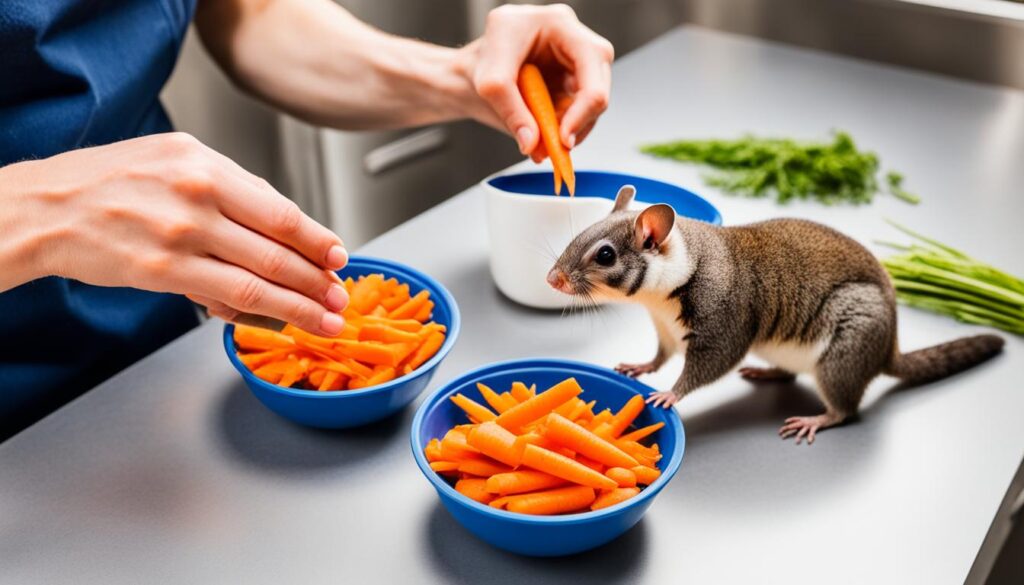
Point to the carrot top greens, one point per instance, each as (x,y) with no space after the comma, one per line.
(830,173)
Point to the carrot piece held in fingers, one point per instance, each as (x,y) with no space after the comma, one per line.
(565,468)
(538,99)
(555,501)
(613,497)
(575,437)
(541,404)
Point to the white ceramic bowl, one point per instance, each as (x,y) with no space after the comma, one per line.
(529,226)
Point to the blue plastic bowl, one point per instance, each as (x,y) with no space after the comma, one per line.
(606,185)
(545,535)
(352,408)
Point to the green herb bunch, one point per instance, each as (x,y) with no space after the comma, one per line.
(828,172)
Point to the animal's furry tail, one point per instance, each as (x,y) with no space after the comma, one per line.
(945,359)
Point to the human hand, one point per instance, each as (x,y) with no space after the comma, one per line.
(575,61)
(166,213)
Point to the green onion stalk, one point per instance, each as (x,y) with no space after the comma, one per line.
(933,276)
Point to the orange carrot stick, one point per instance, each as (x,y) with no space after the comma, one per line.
(483,467)
(613,497)
(380,376)
(455,447)
(538,99)
(474,409)
(328,381)
(258,339)
(623,477)
(408,309)
(370,352)
(443,466)
(373,332)
(565,468)
(496,442)
(410,325)
(642,433)
(433,450)
(575,437)
(626,415)
(423,315)
(556,501)
(474,489)
(254,361)
(520,392)
(521,481)
(424,352)
(495,400)
(646,475)
(534,408)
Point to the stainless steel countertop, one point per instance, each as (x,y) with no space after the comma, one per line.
(173,472)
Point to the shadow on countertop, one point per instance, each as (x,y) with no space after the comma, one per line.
(463,558)
(259,438)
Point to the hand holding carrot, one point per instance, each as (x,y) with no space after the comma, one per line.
(575,60)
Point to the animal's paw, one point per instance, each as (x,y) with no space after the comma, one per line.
(766,375)
(635,370)
(802,426)
(662,399)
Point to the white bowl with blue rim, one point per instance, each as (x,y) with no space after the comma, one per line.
(530,226)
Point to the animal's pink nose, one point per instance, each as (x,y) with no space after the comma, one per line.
(558,281)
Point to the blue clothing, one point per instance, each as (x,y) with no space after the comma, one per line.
(77,73)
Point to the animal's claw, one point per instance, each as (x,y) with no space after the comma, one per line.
(662,399)
(635,370)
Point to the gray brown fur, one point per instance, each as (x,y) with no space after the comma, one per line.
(784,280)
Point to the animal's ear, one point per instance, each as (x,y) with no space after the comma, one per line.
(653,226)
(624,198)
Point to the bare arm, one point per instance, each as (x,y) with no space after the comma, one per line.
(314,60)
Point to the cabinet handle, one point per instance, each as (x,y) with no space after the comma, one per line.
(404,149)
(1017,506)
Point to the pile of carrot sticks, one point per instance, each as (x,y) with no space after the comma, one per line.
(546,453)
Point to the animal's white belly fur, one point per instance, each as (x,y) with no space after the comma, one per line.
(799,358)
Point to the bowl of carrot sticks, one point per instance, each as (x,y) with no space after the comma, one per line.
(546,457)
(399,325)
(529,225)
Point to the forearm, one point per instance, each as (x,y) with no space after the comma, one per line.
(24,237)
(316,61)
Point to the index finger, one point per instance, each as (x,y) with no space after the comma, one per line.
(592,68)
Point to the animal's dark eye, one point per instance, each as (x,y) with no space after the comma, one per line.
(605,256)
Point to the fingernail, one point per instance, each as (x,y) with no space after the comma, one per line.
(524,135)
(337,257)
(337,298)
(331,323)
(571,141)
